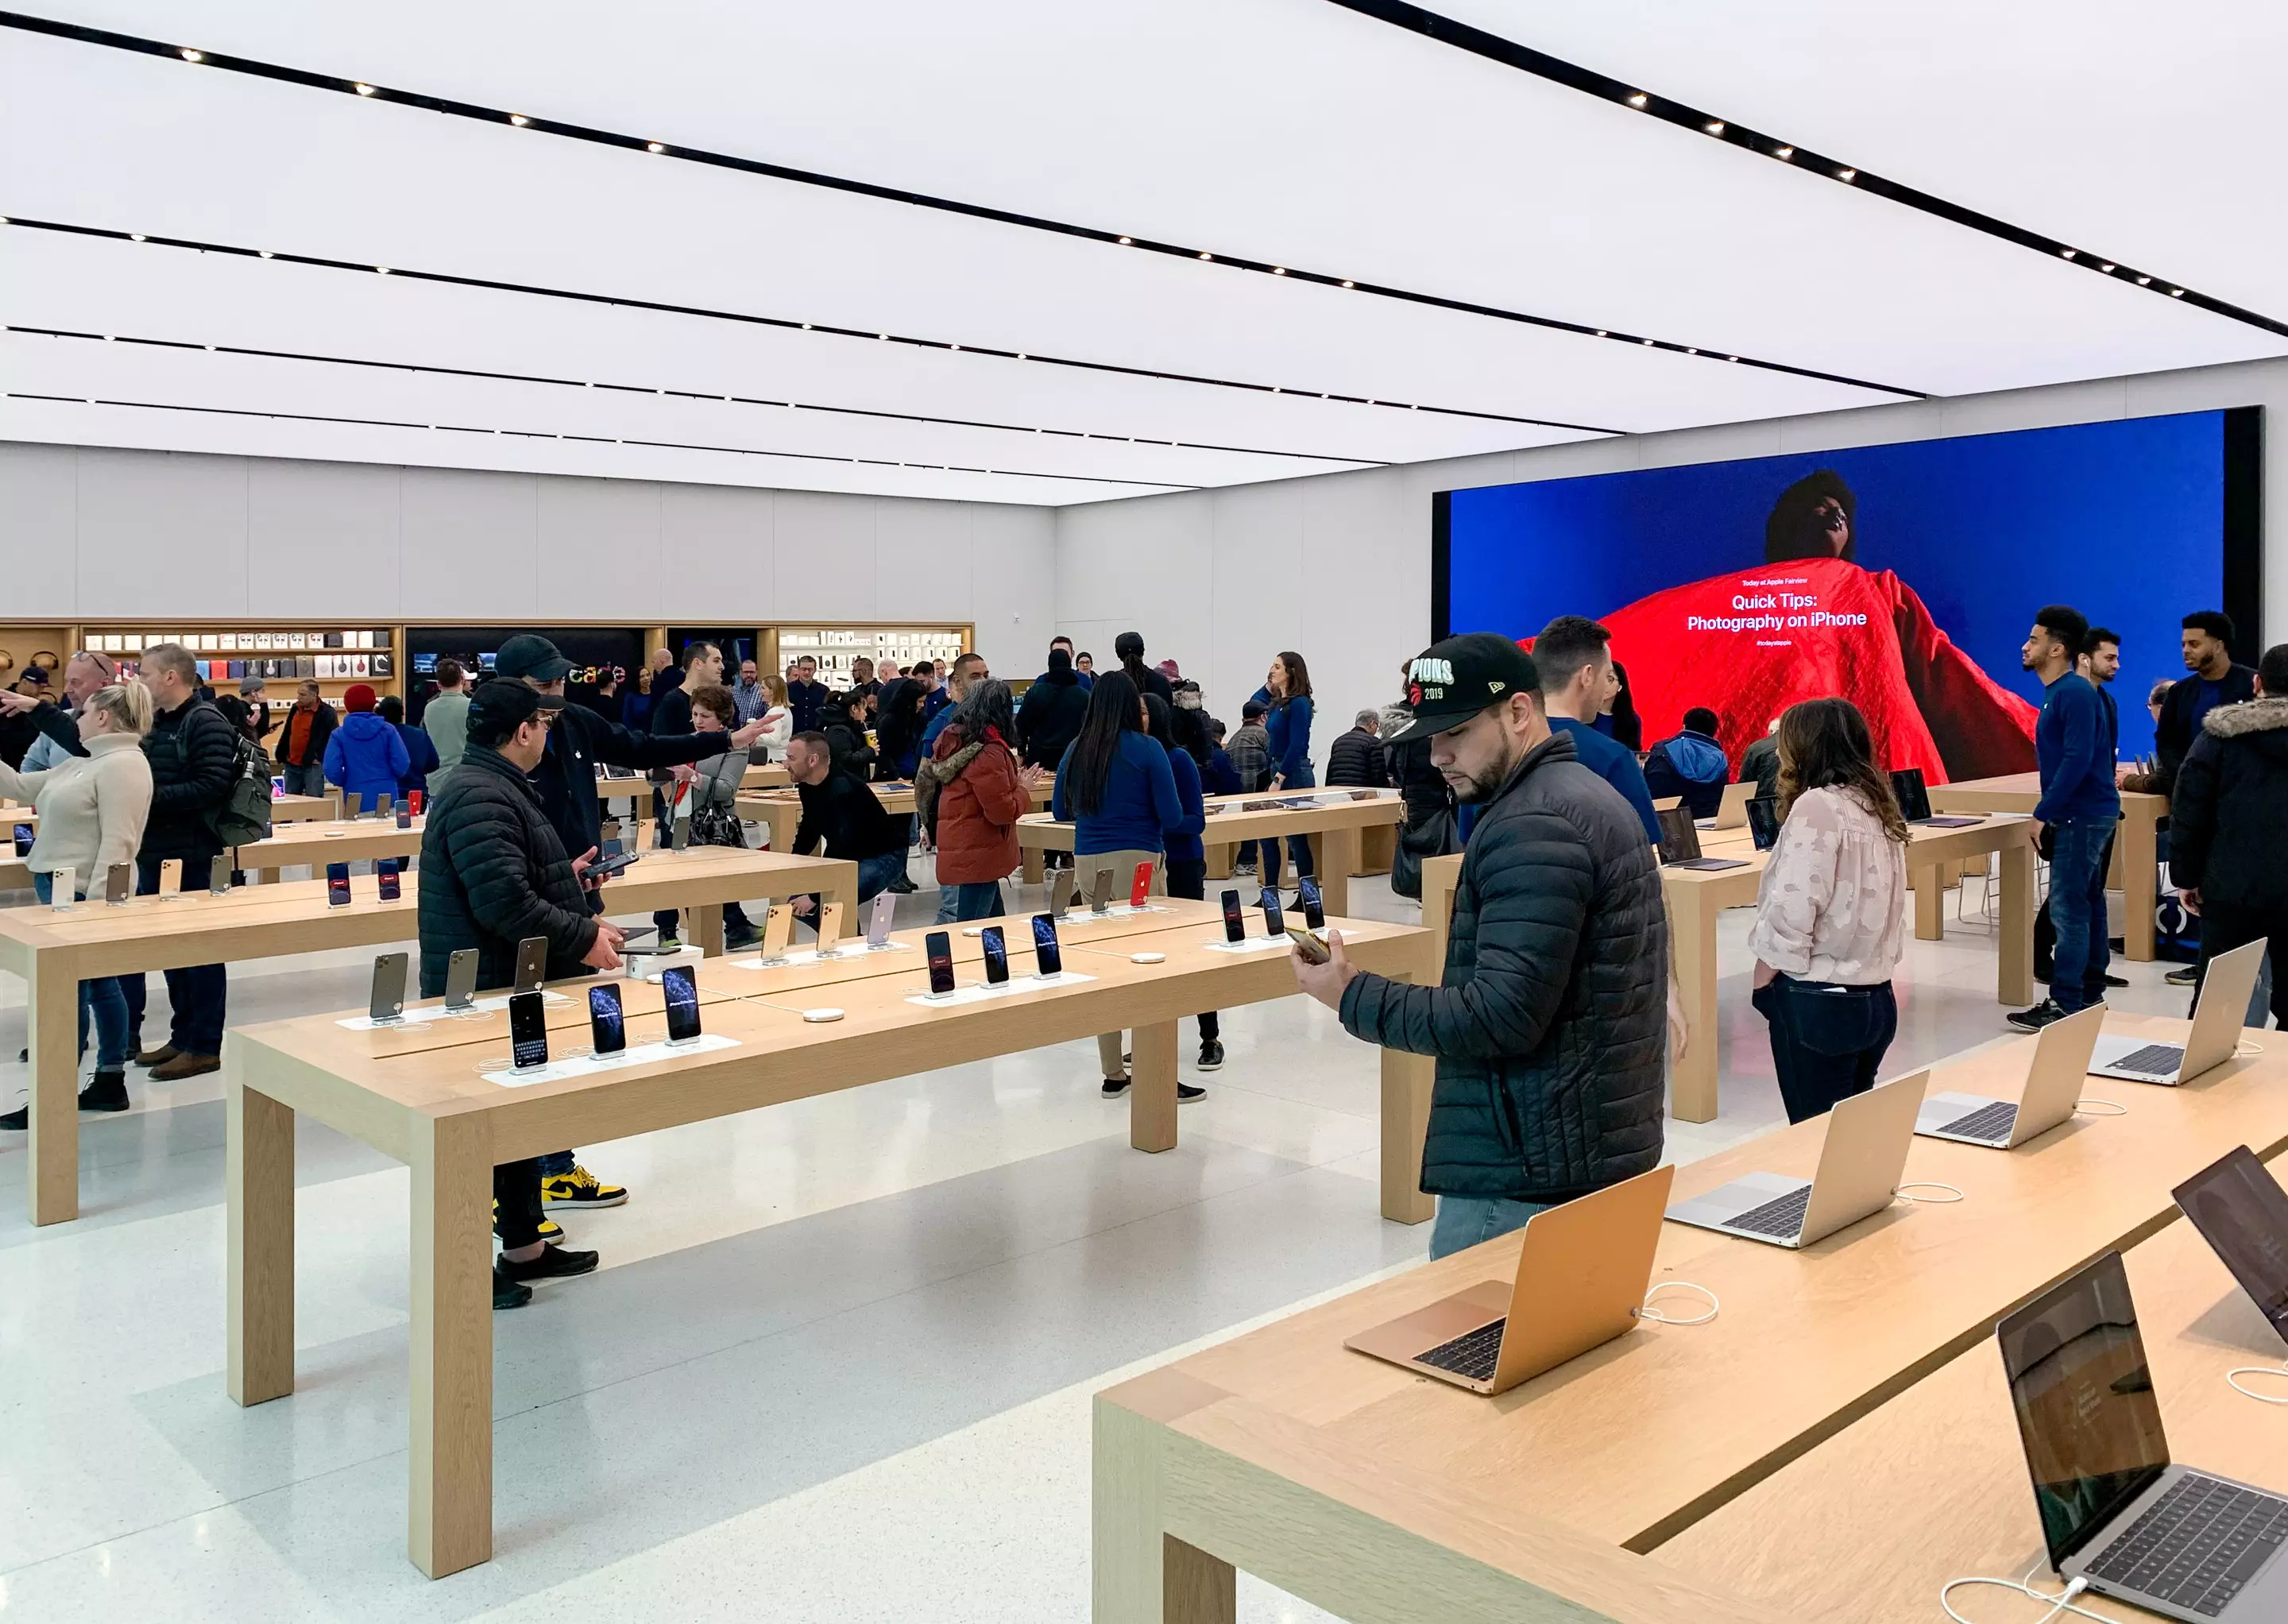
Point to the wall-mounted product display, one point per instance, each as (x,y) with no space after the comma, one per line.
(330,655)
(835,647)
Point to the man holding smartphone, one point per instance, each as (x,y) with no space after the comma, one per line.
(493,872)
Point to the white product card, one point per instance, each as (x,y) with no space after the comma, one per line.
(978,992)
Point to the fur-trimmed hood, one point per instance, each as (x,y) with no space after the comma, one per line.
(2262,714)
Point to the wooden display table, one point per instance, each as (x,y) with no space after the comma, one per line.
(2136,855)
(781,811)
(54,951)
(1337,823)
(1283,1446)
(1933,1486)
(1694,896)
(415,1092)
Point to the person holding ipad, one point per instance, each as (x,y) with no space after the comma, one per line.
(1285,698)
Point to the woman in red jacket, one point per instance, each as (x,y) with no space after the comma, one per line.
(981,793)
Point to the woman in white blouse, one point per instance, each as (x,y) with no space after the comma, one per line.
(1832,911)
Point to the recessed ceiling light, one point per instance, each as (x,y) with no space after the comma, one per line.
(1783,152)
(1648,343)
(1691,350)
(1021,356)
(2107,269)
(1731,358)
(884,337)
(2067,252)
(2144,282)
(1350,284)
(806,327)
(1207,256)
(1846,174)
(1715,126)
(190,55)
(2176,293)
(211,346)
(654,146)
(111,338)
(1602,333)
(953,346)
(1127,242)
(135,236)
(519,119)
(1278,270)
(1638,99)
(381,270)
(364,90)
(266,254)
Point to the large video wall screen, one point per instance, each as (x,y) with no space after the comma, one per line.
(1902,577)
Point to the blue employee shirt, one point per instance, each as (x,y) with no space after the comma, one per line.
(1616,765)
(2074,743)
(1184,843)
(1289,725)
(1139,805)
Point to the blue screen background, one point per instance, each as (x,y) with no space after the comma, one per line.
(2122,521)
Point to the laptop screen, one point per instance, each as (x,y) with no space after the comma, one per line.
(2242,1212)
(2086,1414)
(1764,822)
(1913,797)
(1680,837)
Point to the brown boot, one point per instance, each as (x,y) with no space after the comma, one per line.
(158,1056)
(186,1065)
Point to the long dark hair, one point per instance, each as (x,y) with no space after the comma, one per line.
(899,723)
(1628,727)
(1128,647)
(1163,728)
(1111,712)
(1298,678)
(1824,744)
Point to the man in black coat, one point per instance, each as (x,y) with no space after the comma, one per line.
(1550,1026)
(2215,681)
(492,873)
(2228,826)
(1354,760)
(1049,717)
(192,750)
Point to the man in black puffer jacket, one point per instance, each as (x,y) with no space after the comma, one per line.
(1551,1023)
(493,872)
(2228,826)
(1354,760)
(1049,717)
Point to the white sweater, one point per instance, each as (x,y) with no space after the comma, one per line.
(92,809)
(1832,906)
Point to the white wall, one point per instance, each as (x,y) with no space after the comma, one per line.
(1337,566)
(94,534)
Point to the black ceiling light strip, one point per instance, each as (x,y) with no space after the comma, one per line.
(526,434)
(784,322)
(920,200)
(683,394)
(1701,122)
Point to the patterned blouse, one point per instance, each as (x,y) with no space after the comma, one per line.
(1832,906)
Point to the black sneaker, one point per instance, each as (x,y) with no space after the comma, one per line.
(740,941)
(902,886)
(1113,1088)
(2117,981)
(1211,1056)
(509,1294)
(2186,976)
(105,1091)
(2040,1015)
(554,1263)
(1186,1093)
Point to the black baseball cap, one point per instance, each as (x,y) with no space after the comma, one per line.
(507,705)
(1452,681)
(529,654)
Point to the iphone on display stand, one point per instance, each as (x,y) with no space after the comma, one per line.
(382,804)
(338,885)
(1099,892)
(607,1030)
(1314,912)
(1046,952)
(778,929)
(461,982)
(527,1033)
(413,799)
(62,888)
(385,874)
(682,993)
(531,963)
(1062,884)
(388,1004)
(118,883)
(879,920)
(1274,919)
(939,948)
(219,876)
(997,955)
(24,838)
(829,929)
(170,877)
(1140,889)
(1235,918)
(405,815)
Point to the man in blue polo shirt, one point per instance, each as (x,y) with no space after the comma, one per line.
(1574,663)
(2074,745)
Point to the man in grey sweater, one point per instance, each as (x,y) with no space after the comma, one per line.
(446,721)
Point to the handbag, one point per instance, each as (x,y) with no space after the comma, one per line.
(713,824)
(1434,837)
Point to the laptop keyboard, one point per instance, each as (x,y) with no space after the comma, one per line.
(1992,1123)
(2158,1058)
(1782,1217)
(2198,1546)
(1473,1355)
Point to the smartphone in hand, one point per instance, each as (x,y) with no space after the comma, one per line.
(1309,943)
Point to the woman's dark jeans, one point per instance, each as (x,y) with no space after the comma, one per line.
(1189,877)
(1827,1039)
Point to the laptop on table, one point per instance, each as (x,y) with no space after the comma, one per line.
(2242,1212)
(2217,1016)
(1679,843)
(1858,1174)
(1582,1274)
(2115,1511)
(2053,1084)
(1763,813)
(1732,811)
(1914,802)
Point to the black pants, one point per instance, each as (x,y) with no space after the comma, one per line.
(1189,877)
(2225,927)
(1827,1040)
(516,1194)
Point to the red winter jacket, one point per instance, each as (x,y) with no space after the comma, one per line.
(977,811)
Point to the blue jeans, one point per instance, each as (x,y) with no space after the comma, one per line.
(2078,909)
(199,994)
(1464,1221)
(309,780)
(979,900)
(1299,846)
(100,1000)
(875,874)
(1827,1040)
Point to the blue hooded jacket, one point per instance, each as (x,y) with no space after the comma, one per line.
(1691,765)
(367,758)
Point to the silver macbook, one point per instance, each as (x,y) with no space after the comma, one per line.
(2053,1084)
(1858,1172)
(2217,1017)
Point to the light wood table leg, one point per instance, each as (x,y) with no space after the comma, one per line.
(784,821)
(1338,860)
(844,890)
(1930,903)
(1138,1573)
(706,928)
(2014,963)
(1406,1083)
(450,1500)
(1195,1588)
(1378,848)
(52,997)
(1152,1088)
(260,1173)
(1692,945)
(1219,861)
(2140,847)
(1036,866)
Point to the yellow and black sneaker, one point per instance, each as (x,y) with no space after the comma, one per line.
(551,1231)
(580,1188)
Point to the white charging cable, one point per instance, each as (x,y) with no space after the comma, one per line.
(1945,1200)
(2114,1107)
(2061,1603)
(1714,1306)
(2247,1048)
(2279,1372)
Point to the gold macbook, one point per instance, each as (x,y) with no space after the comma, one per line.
(1582,1274)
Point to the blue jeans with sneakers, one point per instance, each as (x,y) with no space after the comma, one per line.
(101,1003)
(2078,909)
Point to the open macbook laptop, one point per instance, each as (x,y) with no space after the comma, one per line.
(2116,1512)
(1732,811)
(1679,843)
(2217,1016)
(2242,1212)
(1582,1274)
(1858,1172)
(1914,802)
(2053,1084)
